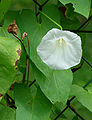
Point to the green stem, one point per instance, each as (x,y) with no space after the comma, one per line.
(21,43)
(51,20)
(24,75)
(28,59)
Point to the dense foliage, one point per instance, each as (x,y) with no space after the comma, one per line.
(29,89)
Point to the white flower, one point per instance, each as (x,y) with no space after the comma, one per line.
(60,49)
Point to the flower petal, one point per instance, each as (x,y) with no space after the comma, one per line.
(60,49)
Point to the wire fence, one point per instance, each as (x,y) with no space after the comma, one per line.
(68,105)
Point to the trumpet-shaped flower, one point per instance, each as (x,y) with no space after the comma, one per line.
(60,49)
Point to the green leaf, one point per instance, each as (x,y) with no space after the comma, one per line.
(57,87)
(7,113)
(83,96)
(41,107)
(23,103)
(27,23)
(71,19)
(48,3)
(81,6)
(75,118)
(22,4)
(46,23)
(31,107)
(8,57)
(9,17)
(4,6)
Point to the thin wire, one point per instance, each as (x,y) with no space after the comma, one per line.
(82,31)
(72,98)
(86,61)
(37,3)
(61,112)
(37,14)
(32,83)
(40,6)
(44,3)
(84,23)
(87,83)
(76,113)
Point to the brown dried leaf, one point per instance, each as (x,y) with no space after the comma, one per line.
(12,28)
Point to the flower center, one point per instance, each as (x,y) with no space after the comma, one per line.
(60,42)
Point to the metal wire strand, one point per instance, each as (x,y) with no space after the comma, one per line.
(40,6)
(32,83)
(81,31)
(61,112)
(87,83)
(44,3)
(84,23)
(87,62)
(37,3)
(76,113)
